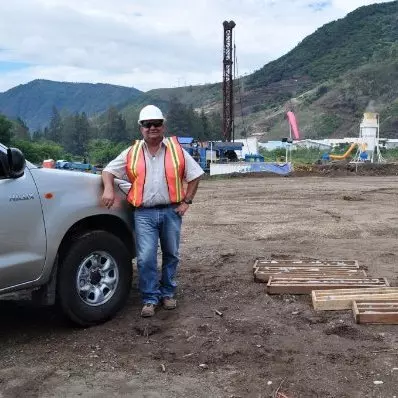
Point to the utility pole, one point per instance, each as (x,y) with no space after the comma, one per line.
(228,90)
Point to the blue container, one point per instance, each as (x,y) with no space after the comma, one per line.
(254,158)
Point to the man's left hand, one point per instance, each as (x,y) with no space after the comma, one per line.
(182,208)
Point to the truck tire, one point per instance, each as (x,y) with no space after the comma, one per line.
(94,278)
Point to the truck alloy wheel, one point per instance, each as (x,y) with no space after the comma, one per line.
(97,278)
(94,278)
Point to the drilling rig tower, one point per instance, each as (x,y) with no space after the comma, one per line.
(228,91)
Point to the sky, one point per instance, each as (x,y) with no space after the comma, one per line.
(150,44)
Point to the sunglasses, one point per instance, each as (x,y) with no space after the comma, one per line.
(155,123)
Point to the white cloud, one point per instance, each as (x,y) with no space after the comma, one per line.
(151,43)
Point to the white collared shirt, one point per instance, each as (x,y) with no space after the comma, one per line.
(155,190)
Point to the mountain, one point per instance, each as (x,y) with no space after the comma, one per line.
(335,48)
(33,102)
(329,80)
(344,68)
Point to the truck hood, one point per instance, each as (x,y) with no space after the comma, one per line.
(82,189)
(58,178)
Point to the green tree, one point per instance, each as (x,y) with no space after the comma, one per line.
(38,135)
(76,131)
(5,130)
(205,125)
(20,130)
(102,151)
(194,123)
(82,134)
(36,152)
(115,127)
(177,122)
(184,121)
(131,117)
(215,122)
(69,134)
(76,134)
(54,132)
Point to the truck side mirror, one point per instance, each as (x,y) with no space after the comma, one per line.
(16,163)
(3,165)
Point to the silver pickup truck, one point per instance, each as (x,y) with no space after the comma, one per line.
(58,243)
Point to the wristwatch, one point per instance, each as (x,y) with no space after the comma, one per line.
(187,201)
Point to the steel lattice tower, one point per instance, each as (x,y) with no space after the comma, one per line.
(228,92)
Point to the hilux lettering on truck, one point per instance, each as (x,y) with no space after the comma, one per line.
(17,198)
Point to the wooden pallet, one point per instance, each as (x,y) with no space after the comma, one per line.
(260,262)
(341,299)
(284,285)
(262,274)
(371,311)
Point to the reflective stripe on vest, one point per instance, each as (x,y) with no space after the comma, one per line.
(174,167)
(136,170)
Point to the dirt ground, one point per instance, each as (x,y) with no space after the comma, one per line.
(261,343)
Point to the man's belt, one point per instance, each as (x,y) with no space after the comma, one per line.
(164,206)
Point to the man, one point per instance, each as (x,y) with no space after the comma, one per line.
(156,166)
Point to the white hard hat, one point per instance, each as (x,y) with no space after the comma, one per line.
(150,112)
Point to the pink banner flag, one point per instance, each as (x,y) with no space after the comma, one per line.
(293,125)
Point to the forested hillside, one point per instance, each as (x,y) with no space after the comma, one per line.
(329,79)
(336,47)
(33,102)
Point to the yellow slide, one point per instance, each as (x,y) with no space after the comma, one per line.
(349,150)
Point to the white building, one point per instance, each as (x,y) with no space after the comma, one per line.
(272,145)
(312,144)
(250,147)
(326,144)
(391,143)
(333,142)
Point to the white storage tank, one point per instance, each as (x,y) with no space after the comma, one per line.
(369,131)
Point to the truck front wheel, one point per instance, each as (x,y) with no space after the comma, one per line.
(94,278)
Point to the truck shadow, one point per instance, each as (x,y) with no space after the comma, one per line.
(28,318)
(24,317)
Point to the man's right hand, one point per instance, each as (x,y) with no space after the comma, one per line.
(108,197)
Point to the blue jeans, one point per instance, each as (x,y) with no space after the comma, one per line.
(152,225)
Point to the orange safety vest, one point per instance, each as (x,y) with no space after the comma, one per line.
(174,168)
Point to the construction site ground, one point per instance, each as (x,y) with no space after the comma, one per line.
(228,338)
